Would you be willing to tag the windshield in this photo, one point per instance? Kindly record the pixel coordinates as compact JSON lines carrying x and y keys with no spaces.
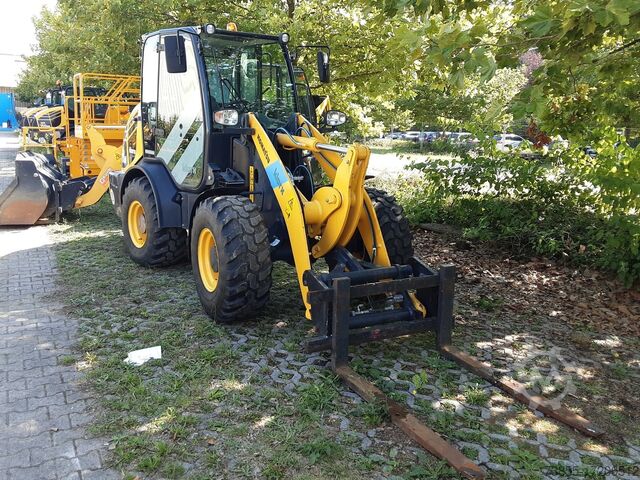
{"x":249,"y":75}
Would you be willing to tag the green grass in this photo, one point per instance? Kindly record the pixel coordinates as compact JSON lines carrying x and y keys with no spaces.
{"x":187,"y":414}
{"x":210,"y":406}
{"x":374,"y":414}
{"x":476,"y":395}
{"x":67,"y":360}
{"x":489,"y":304}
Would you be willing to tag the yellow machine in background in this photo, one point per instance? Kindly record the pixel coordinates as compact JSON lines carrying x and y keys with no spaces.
{"x":106,"y":113}
{"x":83,"y":141}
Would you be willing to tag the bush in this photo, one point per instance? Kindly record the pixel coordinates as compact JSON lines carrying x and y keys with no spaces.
{"x":564,"y":205}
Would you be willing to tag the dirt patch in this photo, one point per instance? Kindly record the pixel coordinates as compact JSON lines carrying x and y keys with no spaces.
{"x":587,"y":315}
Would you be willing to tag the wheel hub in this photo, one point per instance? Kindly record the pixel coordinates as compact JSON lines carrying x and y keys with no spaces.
{"x":208,"y":259}
{"x":137,"y":224}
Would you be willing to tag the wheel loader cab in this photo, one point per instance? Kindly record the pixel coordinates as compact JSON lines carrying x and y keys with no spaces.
{"x":197,"y":91}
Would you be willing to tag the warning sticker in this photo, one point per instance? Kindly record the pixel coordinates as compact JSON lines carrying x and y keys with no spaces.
{"x":277,"y":176}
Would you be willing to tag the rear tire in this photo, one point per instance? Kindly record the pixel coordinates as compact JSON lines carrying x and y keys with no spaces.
{"x":231,"y":258}
{"x":147,"y":244}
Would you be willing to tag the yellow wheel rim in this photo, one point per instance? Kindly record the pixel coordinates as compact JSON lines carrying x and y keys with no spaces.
{"x":137,"y":224}
{"x":207,"y":256}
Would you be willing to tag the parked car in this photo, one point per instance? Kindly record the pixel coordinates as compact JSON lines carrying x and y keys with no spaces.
{"x":453,"y":136}
{"x":590,"y":152}
{"x":394,"y":135}
{"x":461,"y":137}
{"x":412,"y":136}
{"x":428,"y":136}
{"x":507,"y":141}
{"x":558,"y":143}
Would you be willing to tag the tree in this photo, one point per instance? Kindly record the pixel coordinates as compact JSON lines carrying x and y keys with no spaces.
{"x":588,"y":49}
{"x":102,"y":36}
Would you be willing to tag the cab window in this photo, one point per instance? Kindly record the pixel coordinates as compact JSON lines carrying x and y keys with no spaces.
{"x":179,"y":131}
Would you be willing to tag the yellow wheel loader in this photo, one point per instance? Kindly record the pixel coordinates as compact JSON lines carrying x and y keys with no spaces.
{"x":229,"y":168}
{"x":81,"y":130}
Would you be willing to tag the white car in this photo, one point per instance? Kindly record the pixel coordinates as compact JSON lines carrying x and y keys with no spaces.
{"x":393,"y":136}
{"x":507,"y":141}
{"x":412,"y":136}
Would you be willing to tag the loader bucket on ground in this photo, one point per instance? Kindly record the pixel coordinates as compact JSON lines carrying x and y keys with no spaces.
{"x":38,"y":192}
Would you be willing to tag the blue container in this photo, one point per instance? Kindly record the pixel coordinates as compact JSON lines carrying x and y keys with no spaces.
{"x":8,"y":121}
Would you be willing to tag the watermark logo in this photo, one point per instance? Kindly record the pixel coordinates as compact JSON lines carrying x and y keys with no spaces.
{"x":547,"y":374}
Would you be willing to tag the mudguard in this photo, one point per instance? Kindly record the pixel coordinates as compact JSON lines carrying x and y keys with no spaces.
{"x":165,"y":192}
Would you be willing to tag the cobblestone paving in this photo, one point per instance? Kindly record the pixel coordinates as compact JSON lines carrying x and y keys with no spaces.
{"x":492,"y":432}
{"x":43,"y":411}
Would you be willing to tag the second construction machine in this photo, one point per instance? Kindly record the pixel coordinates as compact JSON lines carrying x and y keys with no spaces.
{"x":81,"y":129}
{"x":235,"y":174}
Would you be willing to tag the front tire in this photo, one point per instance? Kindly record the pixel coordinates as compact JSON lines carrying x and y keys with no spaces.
{"x":147,"y":244}
{"x":231,"y":258}
{"x":394,"y":227}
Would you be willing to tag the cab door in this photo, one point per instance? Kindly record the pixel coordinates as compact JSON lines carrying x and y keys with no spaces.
{"x":179,"y":123}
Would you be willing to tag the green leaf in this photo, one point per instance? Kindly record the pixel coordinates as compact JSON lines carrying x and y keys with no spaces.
{"x":589,"y":27}
{"x":487,"y":67}
{"x":620,"y":10}
{"x":492,"y":112}
{"x":603,"y":17}
{"x":541,"y":22}
{"x":456,"y":78}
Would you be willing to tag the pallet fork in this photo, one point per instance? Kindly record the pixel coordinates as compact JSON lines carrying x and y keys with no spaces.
{"x":331,"y":296}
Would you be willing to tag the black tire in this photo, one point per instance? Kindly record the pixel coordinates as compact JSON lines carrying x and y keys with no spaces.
{"x":394,"y":225}
{"x":243,"y":257}
{"x":163,"y":247}
{"x":395,"y":230}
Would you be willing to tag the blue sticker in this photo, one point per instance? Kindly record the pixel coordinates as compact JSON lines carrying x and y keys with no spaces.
{"x":277,"y":174}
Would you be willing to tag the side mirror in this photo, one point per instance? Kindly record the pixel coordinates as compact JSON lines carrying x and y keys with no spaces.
{"x":174,"y":54}
{"x":334,"y":118}
{"x":323,"y":67}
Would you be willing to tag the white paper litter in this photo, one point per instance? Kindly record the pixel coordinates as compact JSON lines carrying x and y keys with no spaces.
{"x":138,"y":357}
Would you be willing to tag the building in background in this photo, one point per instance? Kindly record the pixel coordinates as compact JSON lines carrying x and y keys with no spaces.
{"x":11,"y":65}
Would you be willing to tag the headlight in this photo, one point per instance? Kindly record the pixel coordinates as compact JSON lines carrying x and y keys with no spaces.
{"x":333,"y":118}
{"x":284,"y":37}
{"x":209,"y":29}
{"x":226,"y":117}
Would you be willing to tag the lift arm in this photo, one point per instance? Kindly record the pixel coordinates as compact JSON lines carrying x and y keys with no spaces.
{"x":288,"y":201}
{"x":334,"y":212}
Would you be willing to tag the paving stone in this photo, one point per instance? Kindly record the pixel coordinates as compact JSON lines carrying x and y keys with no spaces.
{"x":86,"y":445}
{"x":43,"y":410}
{"x":42,"y":454}
{"x":44,"y":471}
{"x":15,"y":445}
{"x":100,"y":475}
